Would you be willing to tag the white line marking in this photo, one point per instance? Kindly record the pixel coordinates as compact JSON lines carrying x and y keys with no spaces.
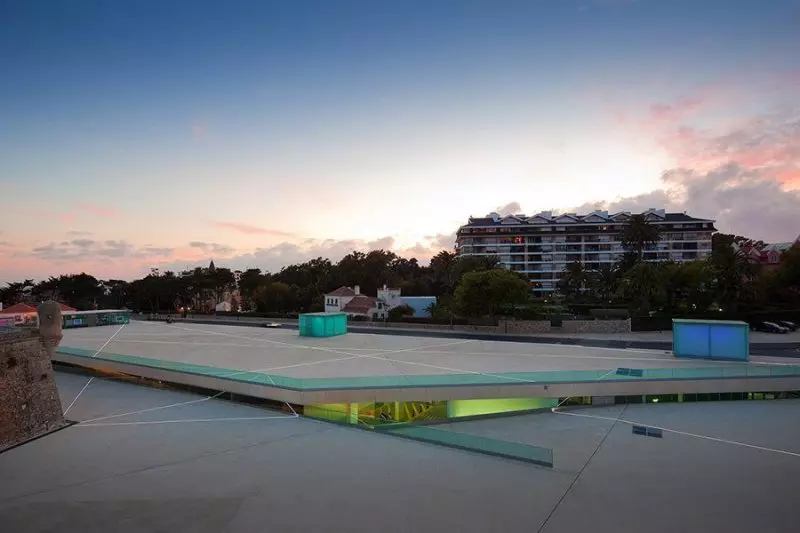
{"x":154,"y":408}
{"x":309,"y":363}
{"x":186,"y":421}
{"x":558,"y":356}
{"x":78,"y":396}
{"x":565,"y":400}
{"x":111,"y":338}
{"x":457,"y":370}
{"x":224,"y":344}
{"x":92,"y":378}
{"x":460,"y":371}
{"x":668,"y":430}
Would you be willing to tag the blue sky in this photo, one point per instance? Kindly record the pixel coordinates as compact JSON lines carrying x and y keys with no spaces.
{"x":280,"y":130}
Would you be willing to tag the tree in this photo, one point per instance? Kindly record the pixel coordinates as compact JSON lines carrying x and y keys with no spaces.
{"x":443,"y":271}
{"x":81,"y":291}
{"x":443,"y":308}
{"x":574,"y":280}
{"x":638,"y":234}
{"x":485,"y":293}
{"x":687,"y":286}
{"x":734,"y":274}
{"x":221,"y":281}
{"x":398,"y":312}
{"x":642,"y":285}
{"x":249,"y":282}
{"x":275,"y":297}
{"x":15,"y":292}
{"x":603,"y":282}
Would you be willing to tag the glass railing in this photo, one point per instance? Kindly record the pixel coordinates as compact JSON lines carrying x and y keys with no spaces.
{"x":342,"y":414}
{"x":511,"y":450}
{"x":449,"y":380}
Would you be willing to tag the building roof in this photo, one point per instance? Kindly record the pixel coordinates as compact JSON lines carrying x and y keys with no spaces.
{"x":547,"y":217}
{"x":30,"y":308}
{"x":18,"y":308}
{"x":777,"y":247}
{"x":342,"y":291}
{"x":360,"y":304}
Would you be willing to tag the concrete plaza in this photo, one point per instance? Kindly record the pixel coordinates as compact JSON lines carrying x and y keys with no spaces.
{"x":283,"y":352}
{"x":152,"y":460}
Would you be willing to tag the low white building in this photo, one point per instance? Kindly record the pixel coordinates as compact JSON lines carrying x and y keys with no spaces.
{"x":390,"y":296}
{"x":352,"y":302}
{"x":336,"y":300}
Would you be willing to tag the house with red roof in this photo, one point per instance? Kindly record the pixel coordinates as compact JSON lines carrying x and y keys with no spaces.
{"x":769,"y":255}
{"x":22,"y":313}
{"x":351,"y":301}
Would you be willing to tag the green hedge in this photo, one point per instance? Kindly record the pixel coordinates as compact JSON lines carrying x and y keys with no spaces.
{"x":664,"y":323}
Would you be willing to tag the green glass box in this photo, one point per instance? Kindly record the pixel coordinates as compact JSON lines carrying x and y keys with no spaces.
{"x":323,"y":324}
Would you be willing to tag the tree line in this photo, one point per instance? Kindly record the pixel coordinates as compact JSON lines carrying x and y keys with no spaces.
{"x":465,"y":286}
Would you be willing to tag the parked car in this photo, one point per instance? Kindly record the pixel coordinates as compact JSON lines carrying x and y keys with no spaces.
{"x":788,"y":324}
{"x":770,"y":327}
{"x":272,"y":325}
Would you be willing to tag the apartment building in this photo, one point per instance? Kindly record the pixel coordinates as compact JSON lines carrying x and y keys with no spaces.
{"x":541,"y":246}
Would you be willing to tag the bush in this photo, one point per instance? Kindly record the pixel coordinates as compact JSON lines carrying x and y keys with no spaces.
{"x":609,"y":314}
{"x":528,"y":313}
{"x":400,"y":312}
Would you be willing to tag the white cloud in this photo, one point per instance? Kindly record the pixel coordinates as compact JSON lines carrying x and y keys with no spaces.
{"x":745,"y":202}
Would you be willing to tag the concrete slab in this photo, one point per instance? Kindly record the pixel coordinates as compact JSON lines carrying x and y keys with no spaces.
{"x":213,"y":466}
{"x":247,"y":475}
{"x":283,"y":352}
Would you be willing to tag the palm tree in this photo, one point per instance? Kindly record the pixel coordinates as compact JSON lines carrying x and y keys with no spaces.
{"x":443,"y":267}
{"x":638,"y":234}
{"x":735,"y":273}
{"x":574,"y":279}
{"x":645,"y":283}
{"x":603,"y":282}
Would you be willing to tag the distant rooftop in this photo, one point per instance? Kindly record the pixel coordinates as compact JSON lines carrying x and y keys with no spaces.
{"x":342,"y":291}
{"x":595,"y":217}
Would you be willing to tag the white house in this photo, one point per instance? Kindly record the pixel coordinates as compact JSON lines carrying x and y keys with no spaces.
{"x":390,"y":296}
{"x":352,"y":302}
{"x":336,"y":300}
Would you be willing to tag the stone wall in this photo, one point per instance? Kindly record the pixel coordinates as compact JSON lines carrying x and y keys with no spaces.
{"x":567,"y":326}
{"x":29,"y":402}
{"x":531,"y":327}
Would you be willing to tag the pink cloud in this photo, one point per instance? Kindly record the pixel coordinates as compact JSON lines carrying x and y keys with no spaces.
{"x":247,"y":229}
{"x":66,"y":218}
{"x":789,"y":177}
{"x":675,"y":111}
{"x":98,"y":210}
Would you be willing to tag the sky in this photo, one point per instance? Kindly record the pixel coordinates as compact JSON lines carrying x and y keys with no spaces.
{"x":261,"y":133}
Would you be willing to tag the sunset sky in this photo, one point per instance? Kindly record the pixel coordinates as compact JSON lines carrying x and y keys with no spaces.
{"x":260,"y":133}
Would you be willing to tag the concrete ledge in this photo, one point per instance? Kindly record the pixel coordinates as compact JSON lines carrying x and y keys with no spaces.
{"x":604,"y":387}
